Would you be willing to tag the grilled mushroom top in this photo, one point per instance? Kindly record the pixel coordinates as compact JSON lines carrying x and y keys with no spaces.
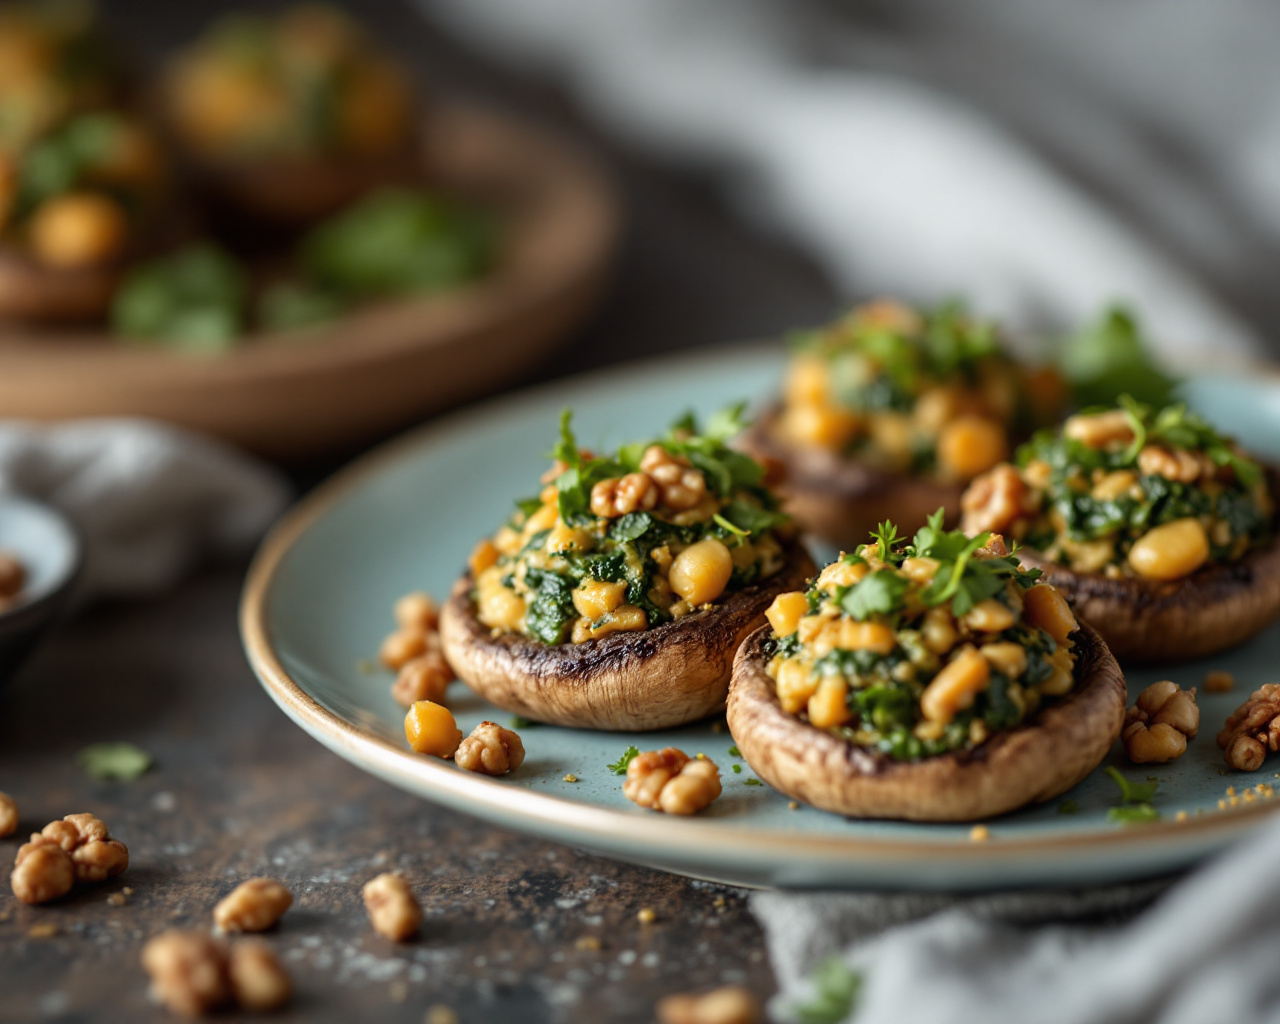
{"x":921,"y":648}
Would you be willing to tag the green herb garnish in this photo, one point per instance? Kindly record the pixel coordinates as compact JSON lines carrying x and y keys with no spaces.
{"x":1111,"y":358}
{"x":619,"y":767}
{"x":114,"y":761}
{"x":835,"y":992}
{"x":735,"y":752}
{"x":1132,"y":814}
{"x":751,"y":782}
{"x":1133,"y":792}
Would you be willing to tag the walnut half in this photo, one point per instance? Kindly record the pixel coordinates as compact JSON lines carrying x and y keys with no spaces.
{"x":1252,"y":730}
{"x":671,"y":781}
{"x":1161,"y":721}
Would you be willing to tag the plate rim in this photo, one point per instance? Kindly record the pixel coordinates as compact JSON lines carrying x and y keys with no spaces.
{"x":655,"y":834}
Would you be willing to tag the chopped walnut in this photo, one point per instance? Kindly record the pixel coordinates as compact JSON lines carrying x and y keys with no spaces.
{"x":1252,"y":729}
{"x":8,"y":815}
{"x":994,"y":501}
{"x":680,"y":486}
{"x":392,"y":907}
{"x":252,"y":906}
{"x":1219,"y":682}
{"x":669,"y":780}
{"x":188,"y":971}
{"x":13,"y":577}
{"x":1157,"y":727}
{"x":729,"y":1005}
{"x":490,"y":749}
{"x":616,"y":496}
{"x":417,"y":611}
{"x":43,"y":871}
{"x":258,"y":981}
{"x":426,"y":677}
{"x":1176,"y":464}
{"x":95,"y":854}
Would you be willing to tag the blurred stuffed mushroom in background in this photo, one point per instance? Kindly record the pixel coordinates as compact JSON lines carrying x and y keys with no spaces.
{"x":888,"y":412}
{"x":85,"y":186}
{"x":288,"y":117}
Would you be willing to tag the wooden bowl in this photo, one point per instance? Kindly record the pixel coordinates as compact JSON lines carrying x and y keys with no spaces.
{"x":303,"y":393}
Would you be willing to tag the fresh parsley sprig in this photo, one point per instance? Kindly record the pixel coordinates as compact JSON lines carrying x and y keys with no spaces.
{"x":619,"y":767}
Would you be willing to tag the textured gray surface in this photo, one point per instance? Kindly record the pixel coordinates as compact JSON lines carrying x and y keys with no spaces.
{"x":239,"y":790}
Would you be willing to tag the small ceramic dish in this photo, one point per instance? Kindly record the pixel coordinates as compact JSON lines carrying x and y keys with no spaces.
{"x":50,"y":551}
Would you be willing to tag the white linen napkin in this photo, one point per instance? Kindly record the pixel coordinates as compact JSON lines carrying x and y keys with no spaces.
{"x":1205,"y":951}
{"x":892,"y":185}
{"x":150,"y":500}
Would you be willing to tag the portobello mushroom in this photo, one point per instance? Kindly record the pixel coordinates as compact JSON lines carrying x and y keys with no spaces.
{"x":888,"y":413}
{"x":1158,"y":529}
{"x":842,"y":499}
{"x":616,"y":598}
{"x":668,"y":675}
{"x":1164,"y":621}
{"x":1034,"y":762}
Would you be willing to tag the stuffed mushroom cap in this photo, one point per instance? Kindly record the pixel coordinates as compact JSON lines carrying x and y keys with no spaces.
{"x":1161,"y":531}
{"x":1041,"y":759}
{"x":669,"y":675}
{"x":617,"y":596}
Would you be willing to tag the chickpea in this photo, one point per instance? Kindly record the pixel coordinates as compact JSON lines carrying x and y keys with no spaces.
{"x":939,"y":630}
{"x":1006,"y":657}
{"x":499,"y":607}
{"x":564,"y":538}
{"x":829,"y":707}
{"x":401,"y":647}
{"x":596,"y":598}
{"x":626,"y":618}
{"x":954,"y":688}
{"x":1063,"y":677}
{"x":1171,"y":551}
{"x":544,"y":519}
{"x":507,"y":541}
{"x":825,"y":426}
{"x":989,"y":616}
{"x":921,"y":570}
{"x":842,"y":574}
{"x":786,"y":611}
{"x":1044,"y":608}
{"x":970,"y":445}
{"x":807,"y":381}
{"x":855,"y":636}
{"x":935,"y":408}
{"x":431,"y":729}
{"x":795,"y":685}
{"x":893,"y":434}
{"x":1100,"y":430}
{"x":78,"y":229}
{"x":701,"y":571}
{"x":1114,"y":485}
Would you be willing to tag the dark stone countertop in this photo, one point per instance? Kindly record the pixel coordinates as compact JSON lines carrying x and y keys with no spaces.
{"x":238,"y":790}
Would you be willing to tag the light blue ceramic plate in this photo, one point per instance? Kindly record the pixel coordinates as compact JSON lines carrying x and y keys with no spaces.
{"x":318,"y":602}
